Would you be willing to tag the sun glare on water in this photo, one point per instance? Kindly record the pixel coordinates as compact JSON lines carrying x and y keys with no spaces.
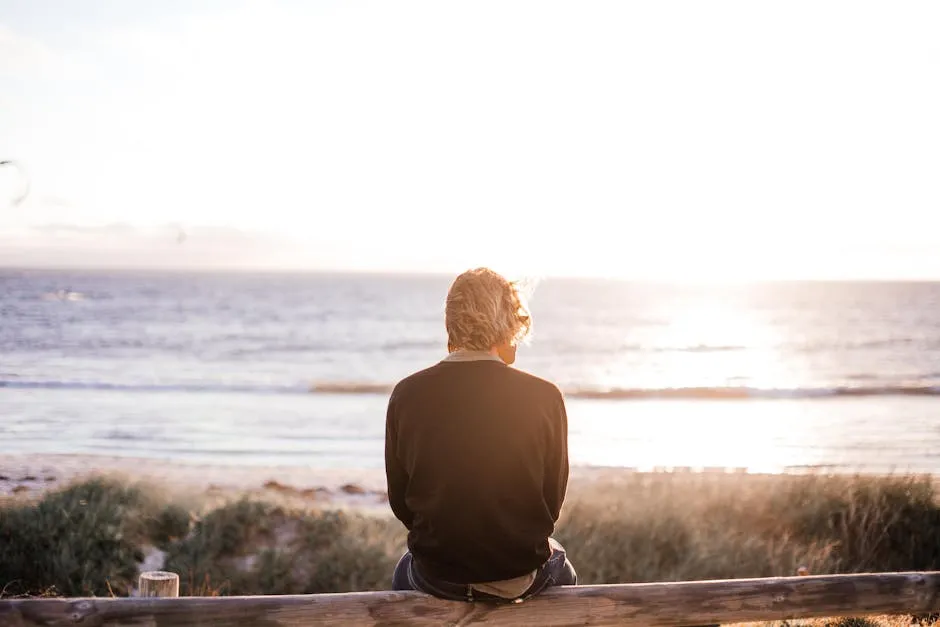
{"x":700,"y":435}
{"x":702,"y":338}
{"x":714,"y":355}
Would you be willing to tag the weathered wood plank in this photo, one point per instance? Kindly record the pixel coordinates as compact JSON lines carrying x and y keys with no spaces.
{"x":654,"y":604}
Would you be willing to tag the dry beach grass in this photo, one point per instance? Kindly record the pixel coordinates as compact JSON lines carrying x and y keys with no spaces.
{"x":92,"y":536}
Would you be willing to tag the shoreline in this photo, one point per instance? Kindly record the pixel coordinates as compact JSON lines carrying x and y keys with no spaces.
{"x":30,"y":475}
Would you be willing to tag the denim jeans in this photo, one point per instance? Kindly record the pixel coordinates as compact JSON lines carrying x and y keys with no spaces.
{"x":556,"y":571}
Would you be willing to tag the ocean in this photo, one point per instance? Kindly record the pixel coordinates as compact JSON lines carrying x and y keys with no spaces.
{"x":295,"y":369}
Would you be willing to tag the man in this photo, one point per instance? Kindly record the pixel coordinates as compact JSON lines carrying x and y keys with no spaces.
{"x":476,"y":457}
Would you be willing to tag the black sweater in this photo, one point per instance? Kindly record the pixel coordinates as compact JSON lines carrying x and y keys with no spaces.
{"x":476,"y":457}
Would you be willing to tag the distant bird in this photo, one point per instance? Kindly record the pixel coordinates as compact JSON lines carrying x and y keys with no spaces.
{"x":16,"y":200}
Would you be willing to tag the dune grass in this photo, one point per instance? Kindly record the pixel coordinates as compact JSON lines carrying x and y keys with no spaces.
{"x":74,"y":542}
{"x":89,"y":538}
{"x":663,"y":527}
{"x":253,"y":547}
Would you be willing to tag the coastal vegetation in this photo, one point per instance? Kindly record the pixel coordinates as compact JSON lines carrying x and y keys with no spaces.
{"x":93,"y":537}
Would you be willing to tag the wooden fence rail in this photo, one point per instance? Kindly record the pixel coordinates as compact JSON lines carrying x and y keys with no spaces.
{"x":651,"y":604}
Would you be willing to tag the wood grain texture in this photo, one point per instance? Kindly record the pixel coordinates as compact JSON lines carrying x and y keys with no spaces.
{"x":655,"y":604}
{"x":158,"y":583}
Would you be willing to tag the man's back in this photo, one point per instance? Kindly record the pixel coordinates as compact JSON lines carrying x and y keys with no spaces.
{"x":476,"y":459}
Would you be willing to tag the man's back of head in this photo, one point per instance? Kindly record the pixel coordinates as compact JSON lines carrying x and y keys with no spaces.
{"x":486,"y":312}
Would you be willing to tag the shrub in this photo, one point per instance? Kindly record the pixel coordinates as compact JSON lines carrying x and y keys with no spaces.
{"x":83,"y":540}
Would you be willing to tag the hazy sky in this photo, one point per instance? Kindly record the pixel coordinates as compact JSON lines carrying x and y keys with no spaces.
{"x":649,"y":139}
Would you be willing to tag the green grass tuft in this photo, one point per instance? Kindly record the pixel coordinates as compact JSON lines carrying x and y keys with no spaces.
{"x":84,"y":540}
{"x":251,"y":547}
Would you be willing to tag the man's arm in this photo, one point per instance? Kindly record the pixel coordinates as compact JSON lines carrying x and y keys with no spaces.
{"x":556,"y":467}
{"x":395,"y":475}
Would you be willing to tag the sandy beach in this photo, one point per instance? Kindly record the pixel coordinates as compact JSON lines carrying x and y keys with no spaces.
{"x":29,"y":476}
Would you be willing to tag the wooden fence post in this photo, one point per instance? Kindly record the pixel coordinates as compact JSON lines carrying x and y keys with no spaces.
{"x":158,"y":583}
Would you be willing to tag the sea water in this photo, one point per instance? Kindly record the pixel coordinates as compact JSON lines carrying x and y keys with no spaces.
{"x":295,"y":369}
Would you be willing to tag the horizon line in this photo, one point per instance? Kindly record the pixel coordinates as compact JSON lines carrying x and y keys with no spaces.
{"x":378,"y":272}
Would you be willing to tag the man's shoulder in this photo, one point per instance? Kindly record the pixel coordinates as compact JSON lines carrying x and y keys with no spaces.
{"x":535,"y":383}
{"x":414,"y":379}
{"x":516,"y":377}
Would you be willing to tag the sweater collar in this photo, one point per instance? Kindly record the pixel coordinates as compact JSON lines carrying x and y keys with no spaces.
{"x":462,"y":355}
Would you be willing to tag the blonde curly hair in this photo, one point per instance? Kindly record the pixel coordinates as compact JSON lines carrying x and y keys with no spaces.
{"x":484,"y":310}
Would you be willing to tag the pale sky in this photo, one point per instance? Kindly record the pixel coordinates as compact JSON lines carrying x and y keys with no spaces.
{"x":658,"y":139}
